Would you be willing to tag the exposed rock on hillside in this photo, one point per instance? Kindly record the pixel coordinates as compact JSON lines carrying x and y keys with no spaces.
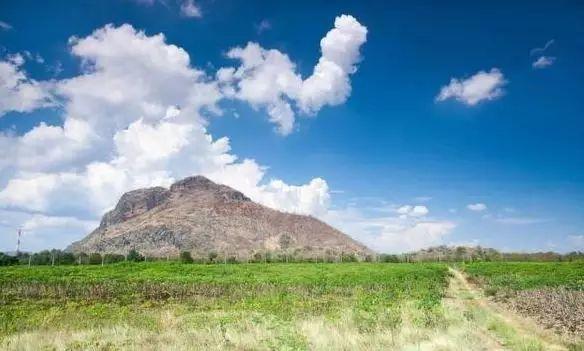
{"x":200,"y":216}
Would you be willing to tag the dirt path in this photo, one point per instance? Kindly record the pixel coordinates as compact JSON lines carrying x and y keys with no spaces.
{"x":499,"y":329}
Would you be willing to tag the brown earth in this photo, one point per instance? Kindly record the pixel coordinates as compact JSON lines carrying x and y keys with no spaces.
{"x":559,"y":309}
{"x":200,"y":216}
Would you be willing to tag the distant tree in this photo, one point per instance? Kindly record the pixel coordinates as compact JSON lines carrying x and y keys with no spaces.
{"x":388,"y":258}
{"x":95,"y":258}
{"x":113,"y":258}
{"x":66,"y":258}
{"x":185,"y":257}
{"x":134,"y":256}
{"x":7,"y":260}
{"x":213,"y":256}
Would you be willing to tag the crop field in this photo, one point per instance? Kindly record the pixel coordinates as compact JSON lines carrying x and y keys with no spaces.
{"x":301,"y":306}
{"x":528,"y":275}
{"x":247,"y":306}
{"x":551,"y":293}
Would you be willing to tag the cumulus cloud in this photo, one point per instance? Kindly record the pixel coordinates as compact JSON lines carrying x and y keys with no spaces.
{"x":189,"y":8}
{"x":482,"y":86}
{"x":477,"y":207}
{"x":391,"y":234}
{"x":543,"y":62}
{"x":268,"y":78}
{"x":135,"y":117}
{"x":17,"y":91}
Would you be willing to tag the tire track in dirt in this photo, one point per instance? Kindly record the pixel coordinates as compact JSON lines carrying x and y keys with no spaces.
{"x":523,"y":328}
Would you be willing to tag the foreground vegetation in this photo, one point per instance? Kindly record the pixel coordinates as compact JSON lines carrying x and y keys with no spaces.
{"x":527,"y":275}
{"x":550,"y":293}
{"x":265,"y":306}
{"x":257,"y":306}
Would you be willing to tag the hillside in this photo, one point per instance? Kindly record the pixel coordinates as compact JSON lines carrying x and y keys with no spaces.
{"x":200,"y":216}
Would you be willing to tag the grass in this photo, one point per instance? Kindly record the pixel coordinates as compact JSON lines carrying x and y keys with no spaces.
{"x":299,"y":306}
{"x":219,"y":306}
{"x":527,"y":275}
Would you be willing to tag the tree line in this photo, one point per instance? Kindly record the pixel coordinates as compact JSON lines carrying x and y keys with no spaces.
{"x":435,"y":254}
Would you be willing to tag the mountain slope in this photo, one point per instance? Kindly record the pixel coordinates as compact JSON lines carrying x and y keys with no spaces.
{"x":200,"y":216}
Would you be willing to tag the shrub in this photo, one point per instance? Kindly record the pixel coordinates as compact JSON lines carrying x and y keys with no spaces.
{"x":185,"y":257}
{"x":134,"y":256}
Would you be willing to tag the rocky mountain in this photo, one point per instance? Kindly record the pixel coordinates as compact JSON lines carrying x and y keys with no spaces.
{"x":200,"y":216}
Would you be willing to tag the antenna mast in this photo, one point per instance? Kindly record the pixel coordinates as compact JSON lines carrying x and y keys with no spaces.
{"x":18,"y":241}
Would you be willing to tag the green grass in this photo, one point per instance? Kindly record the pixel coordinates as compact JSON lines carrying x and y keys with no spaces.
{"x":527,"y":275}
{"x":273,"y":297}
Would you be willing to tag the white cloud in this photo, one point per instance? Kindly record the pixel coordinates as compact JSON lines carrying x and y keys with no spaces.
{"x":189,"y":8}
{"x":542,"y":49}
{"x":521,"y":220}
{"x":413,"y":211}
{"x":268,"y":78}
{"x":478,"y":207}
{"x":543,"y":62}
{"x":17,"y":91}
{"x":42,"y":232}
{"x":263,"y":26}
{"x":135,"y":117}
{"x":482,"y":86}
{"x":391,"y":234}
{"x":5,"y":25}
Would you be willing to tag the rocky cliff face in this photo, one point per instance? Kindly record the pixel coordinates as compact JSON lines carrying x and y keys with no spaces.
{"x":200,"y":216}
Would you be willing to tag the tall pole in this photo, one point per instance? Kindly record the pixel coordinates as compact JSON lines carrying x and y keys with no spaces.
{"x":18,"y":241}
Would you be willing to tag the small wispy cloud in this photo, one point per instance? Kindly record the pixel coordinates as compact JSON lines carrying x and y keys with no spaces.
{"x":263,"y":26}
{"x":521,"y":220}
{"x":190,"y":9}
{"x":543,"y":62}
{"x":536,"y":51}
{"x":478,"y":207}
{"x":5,"y":25}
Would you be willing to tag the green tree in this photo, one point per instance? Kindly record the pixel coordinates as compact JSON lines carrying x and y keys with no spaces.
{"x":134,"y":256}
{"x":185,"y":257}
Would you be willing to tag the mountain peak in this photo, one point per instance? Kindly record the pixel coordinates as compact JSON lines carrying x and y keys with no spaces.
{"x":200,"y":216}
{"x":199,"y":184}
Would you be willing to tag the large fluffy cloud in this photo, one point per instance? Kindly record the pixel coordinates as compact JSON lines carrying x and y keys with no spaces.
{"x":268,"y":78}
{"x":134,"y":117}
{"x":17,"y":91}
{"x":482,"y":86}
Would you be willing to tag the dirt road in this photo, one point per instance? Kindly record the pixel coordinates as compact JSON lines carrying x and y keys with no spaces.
{"x":496,"y":328}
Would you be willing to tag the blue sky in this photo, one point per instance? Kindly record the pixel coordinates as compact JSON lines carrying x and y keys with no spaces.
{"x":396,"y":166}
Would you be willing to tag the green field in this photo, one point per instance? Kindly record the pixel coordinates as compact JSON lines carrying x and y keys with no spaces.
{"x":527,"y":275}
{"x":299,"y":306}
{"x":270,"y":306}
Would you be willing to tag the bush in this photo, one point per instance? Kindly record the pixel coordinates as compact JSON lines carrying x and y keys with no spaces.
{"x":185,"y":257}
{"x":95,"y":258}
{"x":134,"y":256}
{"x":7,"y":260}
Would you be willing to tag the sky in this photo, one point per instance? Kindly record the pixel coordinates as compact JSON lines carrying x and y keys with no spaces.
{"x":404,"y":124}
